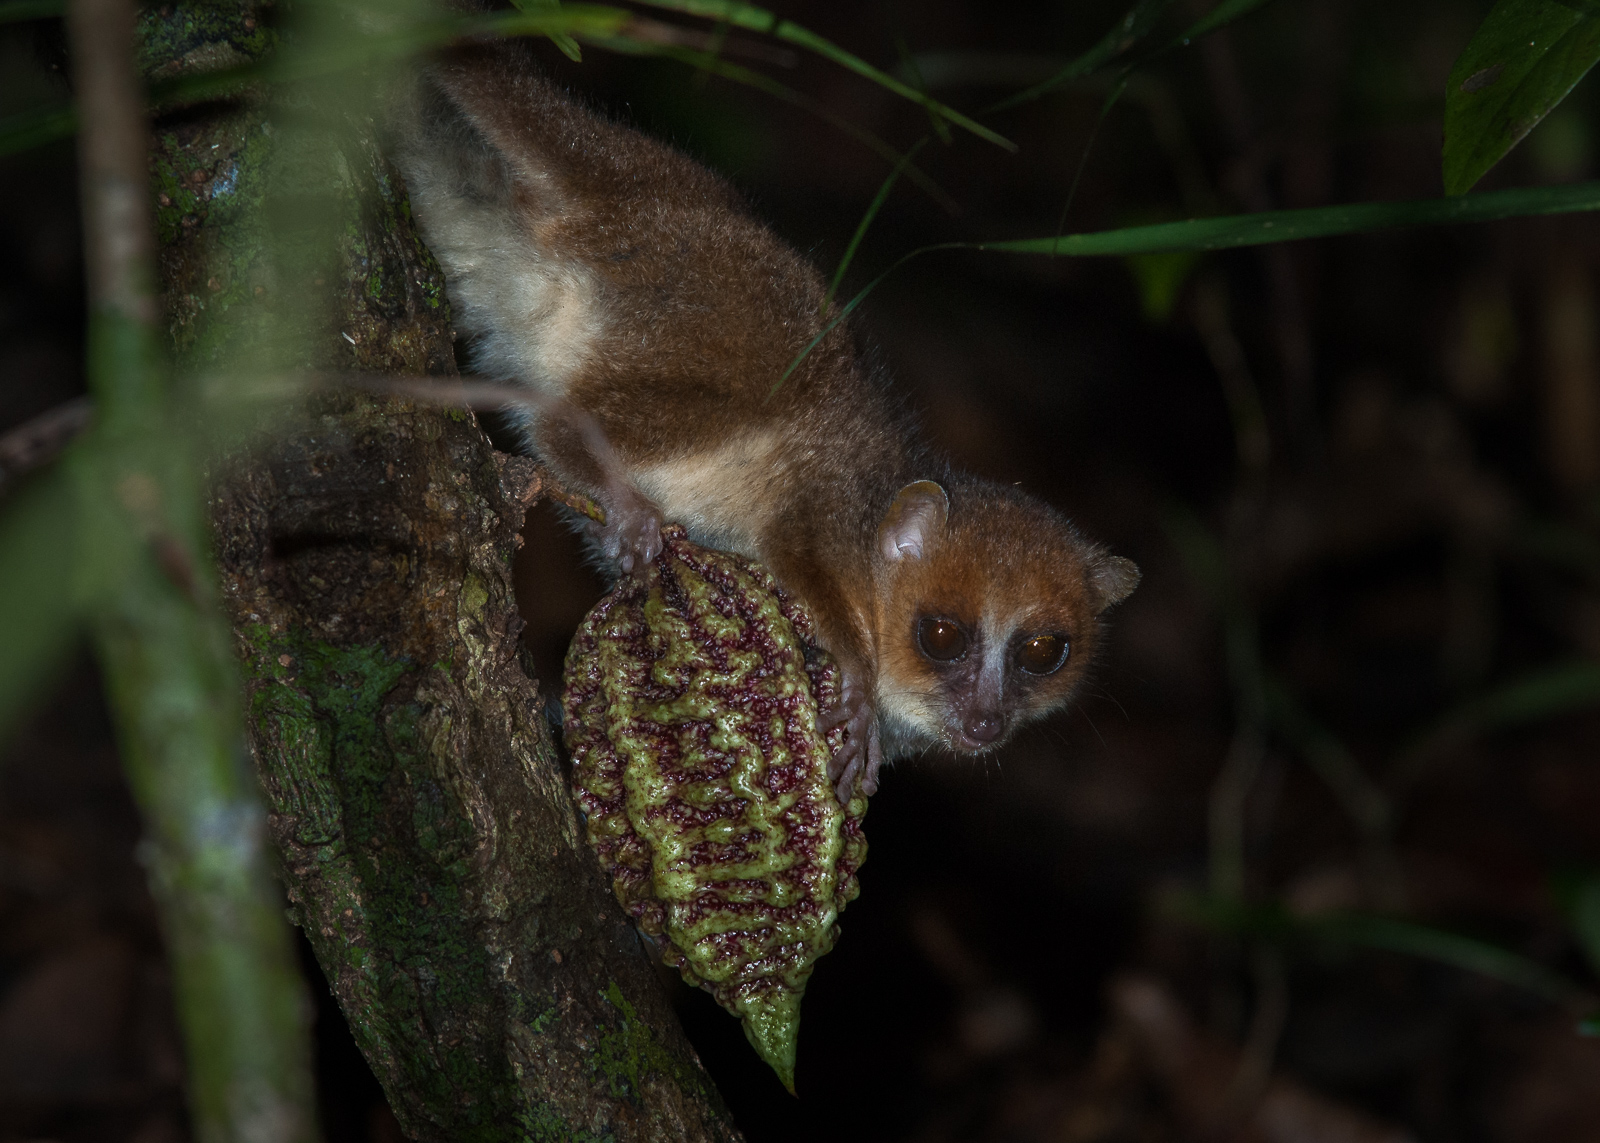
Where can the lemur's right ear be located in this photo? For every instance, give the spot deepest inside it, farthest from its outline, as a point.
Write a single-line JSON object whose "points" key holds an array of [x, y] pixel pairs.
{"points": [[914, 522]]}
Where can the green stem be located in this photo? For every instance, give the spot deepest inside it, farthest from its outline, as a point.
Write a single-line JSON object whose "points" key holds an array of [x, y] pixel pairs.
{"points": [[148, 589], [240, 998]]}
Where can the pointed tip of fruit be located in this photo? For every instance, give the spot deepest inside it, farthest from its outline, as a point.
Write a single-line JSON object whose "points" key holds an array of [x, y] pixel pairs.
{"points": [[772, 1025]]}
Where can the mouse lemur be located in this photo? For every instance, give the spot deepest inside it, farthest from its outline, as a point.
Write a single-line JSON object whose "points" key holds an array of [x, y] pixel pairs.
{"points": [[622, 280]]}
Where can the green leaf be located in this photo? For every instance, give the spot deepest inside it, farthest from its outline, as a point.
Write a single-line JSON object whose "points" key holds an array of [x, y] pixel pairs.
{"points": [[1128, 31], [1320, 222], [38, 606], [953, 67], [1256, 230], [866, 221], [847, 309], [760, 20], [1131, 29], [1523, 60], [716, 65]]}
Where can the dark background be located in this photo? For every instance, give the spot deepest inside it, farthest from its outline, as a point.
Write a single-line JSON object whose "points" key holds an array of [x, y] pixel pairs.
{"points": [[1423, 527]]}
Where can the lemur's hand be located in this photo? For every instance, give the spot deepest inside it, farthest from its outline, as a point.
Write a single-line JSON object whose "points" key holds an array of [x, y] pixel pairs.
{"points": [[860, 755]]}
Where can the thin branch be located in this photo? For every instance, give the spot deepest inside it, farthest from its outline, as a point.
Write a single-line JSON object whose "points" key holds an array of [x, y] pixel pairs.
{"points": [[119, 239], [36, 443]]}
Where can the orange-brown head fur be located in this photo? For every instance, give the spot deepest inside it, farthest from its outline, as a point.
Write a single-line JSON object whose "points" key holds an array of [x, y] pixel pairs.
{"points": [[975, 587]]}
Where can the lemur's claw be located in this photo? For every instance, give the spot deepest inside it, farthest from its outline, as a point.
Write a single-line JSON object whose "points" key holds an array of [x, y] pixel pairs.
{"points": [[860, 755]]}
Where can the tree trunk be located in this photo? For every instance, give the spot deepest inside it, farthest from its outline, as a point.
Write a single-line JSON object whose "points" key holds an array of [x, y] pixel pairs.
{"points": [[429, 845]]}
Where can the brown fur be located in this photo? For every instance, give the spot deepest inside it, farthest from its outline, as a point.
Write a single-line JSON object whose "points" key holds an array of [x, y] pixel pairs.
{"points": [[626, 283]]}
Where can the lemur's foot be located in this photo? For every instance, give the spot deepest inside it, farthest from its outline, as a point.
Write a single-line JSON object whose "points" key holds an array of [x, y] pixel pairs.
{"points": [[631, 536], [860, 755]]}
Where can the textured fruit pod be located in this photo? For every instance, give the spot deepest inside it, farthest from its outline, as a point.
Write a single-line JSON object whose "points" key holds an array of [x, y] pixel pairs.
{"points": [[691, 707]]}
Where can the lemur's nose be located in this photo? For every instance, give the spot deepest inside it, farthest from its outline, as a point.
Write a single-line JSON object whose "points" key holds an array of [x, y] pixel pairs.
{"points": [[983, 728]]}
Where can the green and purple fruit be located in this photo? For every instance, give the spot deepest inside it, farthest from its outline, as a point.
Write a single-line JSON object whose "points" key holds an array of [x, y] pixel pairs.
{"points": [[691, 705]]}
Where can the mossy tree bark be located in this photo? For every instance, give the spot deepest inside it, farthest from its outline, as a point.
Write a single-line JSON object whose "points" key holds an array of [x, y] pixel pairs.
{"points": [[429, 845]]}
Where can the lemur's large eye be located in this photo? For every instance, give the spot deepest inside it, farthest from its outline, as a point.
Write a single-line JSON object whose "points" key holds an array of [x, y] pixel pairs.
{"points": [[942, 640], [1043, 654]]}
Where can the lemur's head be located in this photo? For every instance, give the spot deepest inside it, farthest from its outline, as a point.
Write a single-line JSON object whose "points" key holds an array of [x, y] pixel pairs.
{"points": [[988, 607]]}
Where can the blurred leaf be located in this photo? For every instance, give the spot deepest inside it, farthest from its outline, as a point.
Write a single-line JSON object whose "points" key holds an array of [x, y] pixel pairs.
{"points": [[1523, 60], [1362, 798], [15, 11], [332, 55], [1160, 278], [1559, 690], [1447, 948], [38, 606], [1219, 17], [36, 128], [1561, 149], [1201, 552], [563, 40], [739, 15], [1586, 919], [1540, 695], [1543, 694], [1206, 559], [1273, 922], [603, 26], [1563, 545], [1319, 222], [1589, 1027], [760, 20]]}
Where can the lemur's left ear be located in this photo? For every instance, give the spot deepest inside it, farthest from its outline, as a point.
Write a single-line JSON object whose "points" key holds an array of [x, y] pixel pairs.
{"points": [[914, 522], [1113, 579]]}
